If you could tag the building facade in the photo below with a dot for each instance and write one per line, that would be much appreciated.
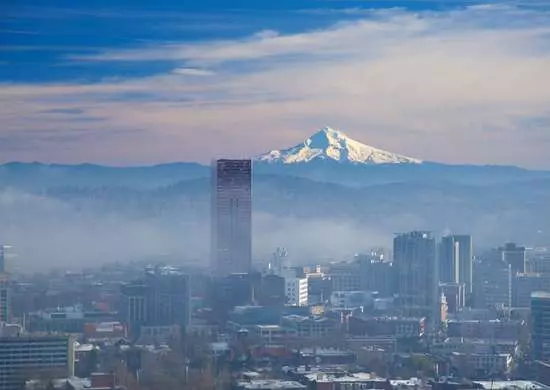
(454, 294)
(538, 261)
(492, 284)
(162, 298)
(377, 275)
(296, 291)
(133, 305)
(65, 320)
(27, 357)
(540, 326)
(231, 245)
(523, 284)
(415, 262)
(456, 260)
(5, 298)
(168, 298)
(310, 327)
(345, 276)
(5, 293)
(397, 327)
(514, 256)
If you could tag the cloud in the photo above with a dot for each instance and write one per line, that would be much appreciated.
(192, 72)
(439, 85)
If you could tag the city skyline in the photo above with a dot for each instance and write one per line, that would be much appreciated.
(275, 195)
(436, 81)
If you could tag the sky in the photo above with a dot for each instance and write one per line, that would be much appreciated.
(146, 82)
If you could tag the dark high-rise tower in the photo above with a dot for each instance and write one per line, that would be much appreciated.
(231, 250)
(4, 298)
(515, 256)
(456, 260)
(415, 261)
(5, 291)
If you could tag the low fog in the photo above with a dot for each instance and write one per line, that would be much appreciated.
(48, 233)
(80, 231)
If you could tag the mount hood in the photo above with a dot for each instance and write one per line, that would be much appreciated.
(329, 144)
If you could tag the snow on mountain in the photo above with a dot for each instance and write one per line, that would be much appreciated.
(332, 144)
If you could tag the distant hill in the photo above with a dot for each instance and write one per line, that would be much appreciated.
(327, 197)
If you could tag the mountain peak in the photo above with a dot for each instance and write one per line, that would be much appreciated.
(331, 144)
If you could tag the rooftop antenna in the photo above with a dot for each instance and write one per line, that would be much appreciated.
(277, 262)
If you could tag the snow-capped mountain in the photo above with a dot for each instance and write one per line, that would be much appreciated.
(331, 144)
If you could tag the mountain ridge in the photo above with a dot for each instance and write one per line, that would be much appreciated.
(334, 145)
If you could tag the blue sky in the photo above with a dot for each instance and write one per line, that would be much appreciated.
(142, 82)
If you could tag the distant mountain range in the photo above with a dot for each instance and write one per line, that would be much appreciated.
(328, 155)
(329, 195)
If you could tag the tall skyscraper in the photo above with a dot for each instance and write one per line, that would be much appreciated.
(540, 326)
(456, 260)
(415, 262)
(448, 260)
(231, 250)
(2, 259)
(5, 309)
(5, 293)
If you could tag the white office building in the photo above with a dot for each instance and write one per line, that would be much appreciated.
(296, 291)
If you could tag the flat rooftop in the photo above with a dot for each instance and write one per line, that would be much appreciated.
(502, 385)
(540, 294)
(268, 384)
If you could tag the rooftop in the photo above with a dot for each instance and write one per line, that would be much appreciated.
(540, 295)
(501, 385)
(269, 327)
(325, 352)
(298, 318)
(346, 378)
(268, 384)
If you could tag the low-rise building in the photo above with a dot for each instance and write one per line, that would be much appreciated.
(507, 385)
(310, 327)
(485, 329)
(399, 327)
(25, 357)
(269, 384)
(481, 364)
(327, 356)
(351, 299)
(66, 320)
(345, 276)
(347, 380)
(479, 346)
(97, 381)
(296, 291)
(274, 334)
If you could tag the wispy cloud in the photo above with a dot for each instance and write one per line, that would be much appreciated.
(192, 72)
(436, 85)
